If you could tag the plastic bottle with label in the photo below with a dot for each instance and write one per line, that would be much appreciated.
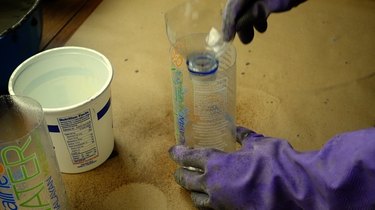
(203, 76)
(29, 173)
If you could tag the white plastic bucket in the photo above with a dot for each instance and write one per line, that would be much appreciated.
(73, 86)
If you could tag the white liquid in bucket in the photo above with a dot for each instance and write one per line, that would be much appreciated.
(64, 87)
(63, 80)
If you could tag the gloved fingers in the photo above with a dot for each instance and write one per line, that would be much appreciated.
(196, 158)
(245, 135)
(246, 35)
(261, 25)
(254, 16)
(188, 179)
(244, 26)
(200, 200)
(231, 11)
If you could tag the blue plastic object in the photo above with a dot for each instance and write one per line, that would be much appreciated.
(20, 35)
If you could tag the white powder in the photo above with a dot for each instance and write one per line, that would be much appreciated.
(136, 196)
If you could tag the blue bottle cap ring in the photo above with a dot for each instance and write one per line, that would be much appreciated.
(202, 64)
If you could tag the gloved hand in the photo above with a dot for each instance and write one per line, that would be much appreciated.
(242, 15)
(266, 173)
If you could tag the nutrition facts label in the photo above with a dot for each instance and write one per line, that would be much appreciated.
(79, 136)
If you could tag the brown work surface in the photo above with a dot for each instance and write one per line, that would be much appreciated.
(61, 18)
(308, 77)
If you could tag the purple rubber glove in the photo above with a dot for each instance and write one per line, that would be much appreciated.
(242, 16)
(266, 173)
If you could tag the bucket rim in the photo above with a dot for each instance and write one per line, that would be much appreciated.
(20, 68)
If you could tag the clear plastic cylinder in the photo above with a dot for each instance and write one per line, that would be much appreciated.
(203, 76)
(29, 174)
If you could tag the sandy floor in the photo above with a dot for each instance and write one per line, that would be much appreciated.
(310, 76)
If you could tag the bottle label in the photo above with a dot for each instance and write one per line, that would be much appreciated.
(25, 182)
(180, 110)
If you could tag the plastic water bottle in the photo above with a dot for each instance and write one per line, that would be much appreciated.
(204, 98)
(203, 76)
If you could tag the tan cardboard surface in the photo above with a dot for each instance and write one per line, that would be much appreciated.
(309, 77)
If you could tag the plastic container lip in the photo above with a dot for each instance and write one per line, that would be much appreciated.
(35, 105)
(194, 61)
(73, 50)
